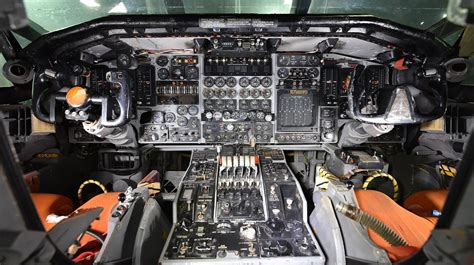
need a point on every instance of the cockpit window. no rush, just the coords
(53, 15)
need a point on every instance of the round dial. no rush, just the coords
(220, 104)
(268, 117)
(162, 60)
(255, 81)
(208, 92)
(182, 121)
(266, 81)
(314, 60)
(260, 115)
(243, 115)
(170, 117)
(230, 105)
(265, 105)
(124, 60)
(244, 93)
(231, 82)
(208, 81)
(208, 104)
(182, 110)
(235, 115)
(193, 110)
(252, 115)
(283, 72)
(244, 82)
(220, 93)
(163, 73)
(284, 60)
(226, 115)
(313, 72)
(229, 127)
(220, 81)
(209, 115)
(191, 72)
(255, 93)
(231, 93)
(266, 93)
(254, 104)
(217, 116)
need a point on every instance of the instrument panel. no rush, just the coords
(232, 98)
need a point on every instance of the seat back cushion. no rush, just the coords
(415, 230)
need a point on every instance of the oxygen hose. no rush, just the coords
(371, 222)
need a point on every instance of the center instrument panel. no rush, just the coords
(242, 204)
(239, 92)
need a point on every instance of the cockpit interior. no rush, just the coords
(191, 138)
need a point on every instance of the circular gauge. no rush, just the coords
(266, 105)
(162, 60)
(231, 93)
(254, 104)
(230, 105)
(244, 93)
(182, 110)
(231, 82)
(193, 110)
(208, 92)
(208, 104)
(314, 60)
(313, 72)
(251, 115)
(209, 115)
(163, 73)
(244, 105)
(220, 93)
(244, 82)
(217, 116)
(284, 60)
(266, 81)
(229, 127)
(208, 81)
(182, 121)
(191, 72)
(266, 93)
(220, 104)
(243, 115)
(220, 81)
(235, 115)
(283, 72)
(255, 81)
(170, 117)
(268, 117)
(124, 60)
(260, 115)
(226, 115)
(255, 93)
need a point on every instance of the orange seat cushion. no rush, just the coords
(415, 230)
(47, 204)
(424, 202)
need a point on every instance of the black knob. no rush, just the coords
(122, 197)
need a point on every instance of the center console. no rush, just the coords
(240, 204)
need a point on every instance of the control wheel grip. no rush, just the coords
(123, 99)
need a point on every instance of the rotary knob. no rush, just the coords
(229, 127)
